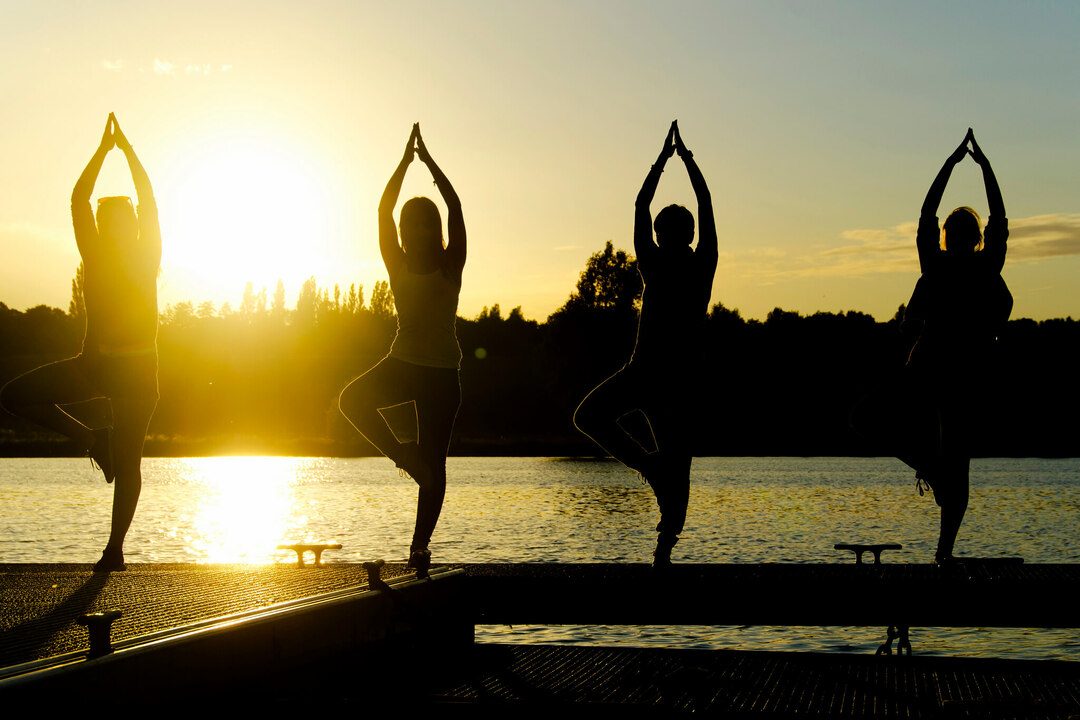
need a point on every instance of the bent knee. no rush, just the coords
(349, 399)
(585, 417)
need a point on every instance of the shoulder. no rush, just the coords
(929, 230)
(82, 220)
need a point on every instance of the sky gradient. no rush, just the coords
(269, 130)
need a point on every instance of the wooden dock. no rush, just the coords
(283, 636)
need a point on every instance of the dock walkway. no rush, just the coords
(276, 631)
(40, 602)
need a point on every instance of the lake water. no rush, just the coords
(238, 509)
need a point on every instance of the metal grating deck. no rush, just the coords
(39, 602)
(766, 683)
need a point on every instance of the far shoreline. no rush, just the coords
(45, 447)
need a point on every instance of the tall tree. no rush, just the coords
(382, 300)
(77, 306)
(610, 281)
(277, 309)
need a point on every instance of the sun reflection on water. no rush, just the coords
(246, 507)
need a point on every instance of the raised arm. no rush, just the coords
(149, 228)
(84, 186)
(706, 248)
(455, 223)
(644, 245)
(138, 174)
(928, 239)
(82, 217)
(997, 225)
(389, 245)
(993, 192)
(937, 188)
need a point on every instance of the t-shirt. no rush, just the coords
(674, 302)
(962, 301)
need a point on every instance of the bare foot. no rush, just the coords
(111, 561)
(662, 555)
(420, 561)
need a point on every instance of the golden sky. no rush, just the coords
(269, 129)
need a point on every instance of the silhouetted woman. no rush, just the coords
(661, 379)
(121, 253)
(423, 363)
(959, 306)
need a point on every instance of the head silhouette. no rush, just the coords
(962, 233)
(116, 220)
(421, 230)
(674, 227)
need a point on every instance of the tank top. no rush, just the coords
(427, 318)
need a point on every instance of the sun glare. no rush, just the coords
(244, 209)
(246, 509)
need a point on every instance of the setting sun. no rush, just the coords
(245, 208)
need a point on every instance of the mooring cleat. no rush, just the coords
(317, 550)
(374, 567)
(99, 625)
(903, 644)
(860, 549)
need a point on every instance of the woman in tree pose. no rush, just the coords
(121, 253)
(959, 306)
(661, 379)
(422, 367)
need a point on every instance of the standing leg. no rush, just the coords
(598, 414)
(951, 493)
(131, 417)
(385, 385)
(672, 429)
(952, 475)
(436, 410)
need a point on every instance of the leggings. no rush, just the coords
(436, 394)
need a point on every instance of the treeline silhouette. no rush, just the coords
(264, 378)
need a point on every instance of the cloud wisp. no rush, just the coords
(875, 251)
(1044, 236)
